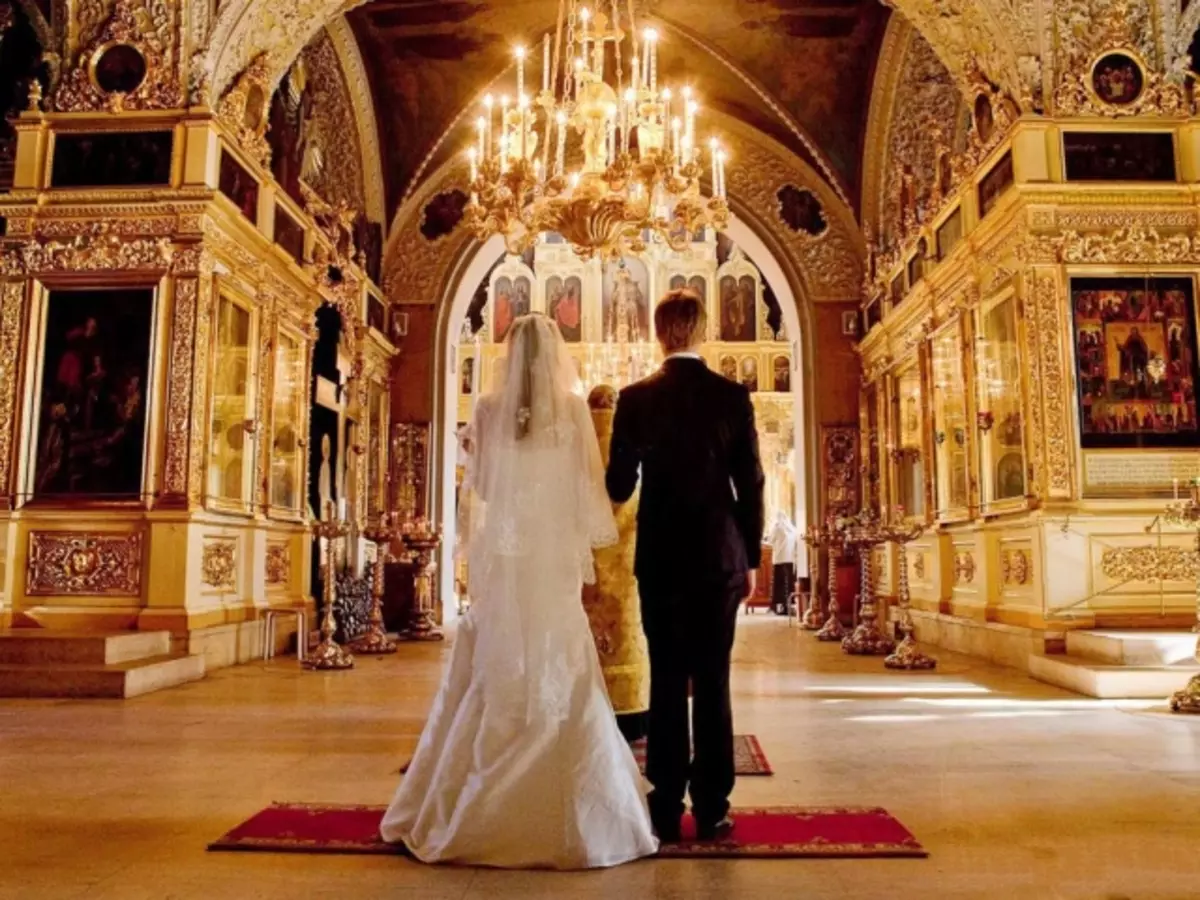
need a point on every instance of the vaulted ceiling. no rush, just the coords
(798, 70)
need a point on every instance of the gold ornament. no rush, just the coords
(279, 564)
(245, 110)
(84, 563)
(218, 566)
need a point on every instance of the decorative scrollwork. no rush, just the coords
(1150, 563)
(964, 567)
(218, 564)
(84, 563)
(279, 564)
(244, 110)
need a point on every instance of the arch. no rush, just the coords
(473, 266)
(963, 33)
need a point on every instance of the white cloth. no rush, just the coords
(521, 763)
(783, 541)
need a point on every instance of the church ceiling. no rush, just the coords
(797, 70)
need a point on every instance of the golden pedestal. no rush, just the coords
(613, 605)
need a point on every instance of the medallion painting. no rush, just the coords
(749, 374)
(1135, 349)
(696, 284)
(626, 302)
(512, 301)
(92, 410)
(782, 367)
(737, 308)
(729, 367)
(564, 304)
(468, 375)
(1117, 79)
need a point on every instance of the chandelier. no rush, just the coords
(635, 164)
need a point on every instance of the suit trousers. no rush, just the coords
(689, 633)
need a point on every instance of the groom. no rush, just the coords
(700, 524)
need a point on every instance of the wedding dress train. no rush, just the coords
(521, 763)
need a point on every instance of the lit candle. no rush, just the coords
(471, 157)
(690, 127)
(481, 126)
(537, 171)
(574, 179)
(630, 114)
(584, 15)
(560, 119)
(342, 508)
(545, 62)
(578, 76)
(637, 73)
(652, 57)
(523, 106)
(503, 152)
(610, 132)
(675, 148)
(712, 149)
(488, 103)
(721, 171)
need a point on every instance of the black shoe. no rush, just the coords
(667, 830)
(714, 831)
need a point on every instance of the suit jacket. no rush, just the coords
(691, 433)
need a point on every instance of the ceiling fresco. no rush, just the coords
(428, 59)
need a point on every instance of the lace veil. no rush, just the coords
(538, 507)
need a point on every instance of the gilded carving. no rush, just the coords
(12, 319)
(245, 109)
(964, 567)
(84, 563)
(179, 388)
(98, 251)
(340, 177)
(1015, 567)
(1150, 563)
(918, 565)
(279, 564)
(218, 566)
(150, 28)
(363, 105)
(1047, 300)
(1137, 243)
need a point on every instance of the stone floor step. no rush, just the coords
(1112, 682)
(1132, 647)
(98, 680)
(46, 645)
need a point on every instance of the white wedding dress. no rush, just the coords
(521, 763)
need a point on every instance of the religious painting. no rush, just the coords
(564, 305)
(236, 183)
(949, 233)
(729, 367)
(873, 314)
(945, 174)
(288, 421)
(511, 301)
(985, 122)
(289, 235)
(1117, 79)
(468, 376)
(1119, 156)
(295, 151)
(782, 368)
(376, 314)
(850, 323)
(92, 409)
(1010, 477)
(749, 373)
(696, 284)
(993, 185)
(112, 159)
(120, 69)
(738, 297)
(625, 293)
(1136, 361)
(916, 266)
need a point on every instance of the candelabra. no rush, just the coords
(907, 655)
(829, 538)
(375, 641)
(865, 533)
(422, 540)
(1186, 513)
(329, 654)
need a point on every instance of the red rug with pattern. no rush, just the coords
(748, 756)
(780, 831)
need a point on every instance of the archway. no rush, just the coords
(475, 270)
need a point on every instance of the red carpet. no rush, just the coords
(770, 832)
(748, 756)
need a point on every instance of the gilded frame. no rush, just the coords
(944, 511)
(26, 425)
(297, 334)
(227, 288)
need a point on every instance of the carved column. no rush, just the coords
(187, 379)
(12, 321)
(1055, 434)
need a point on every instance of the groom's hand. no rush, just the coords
(751, 584)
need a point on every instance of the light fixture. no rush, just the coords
(634, 168)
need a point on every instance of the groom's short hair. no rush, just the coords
(679, 320)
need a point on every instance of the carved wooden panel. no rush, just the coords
(84, 563)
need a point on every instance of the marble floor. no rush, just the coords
(1017, 789)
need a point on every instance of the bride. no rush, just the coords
(521, 764)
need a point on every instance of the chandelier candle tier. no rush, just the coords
(603, 155)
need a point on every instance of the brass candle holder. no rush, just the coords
(1186, 513)
(865, 533)
(381, 533)
(829, 538)
(422, 540)
(907, 655)
(329, 654)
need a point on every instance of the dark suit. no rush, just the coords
(700, 524)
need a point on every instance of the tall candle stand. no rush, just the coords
(422, 539)
(1186, 513)
(866, 533)
(907, 655)
(329, 654)
(827, 537)
(381, 533)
